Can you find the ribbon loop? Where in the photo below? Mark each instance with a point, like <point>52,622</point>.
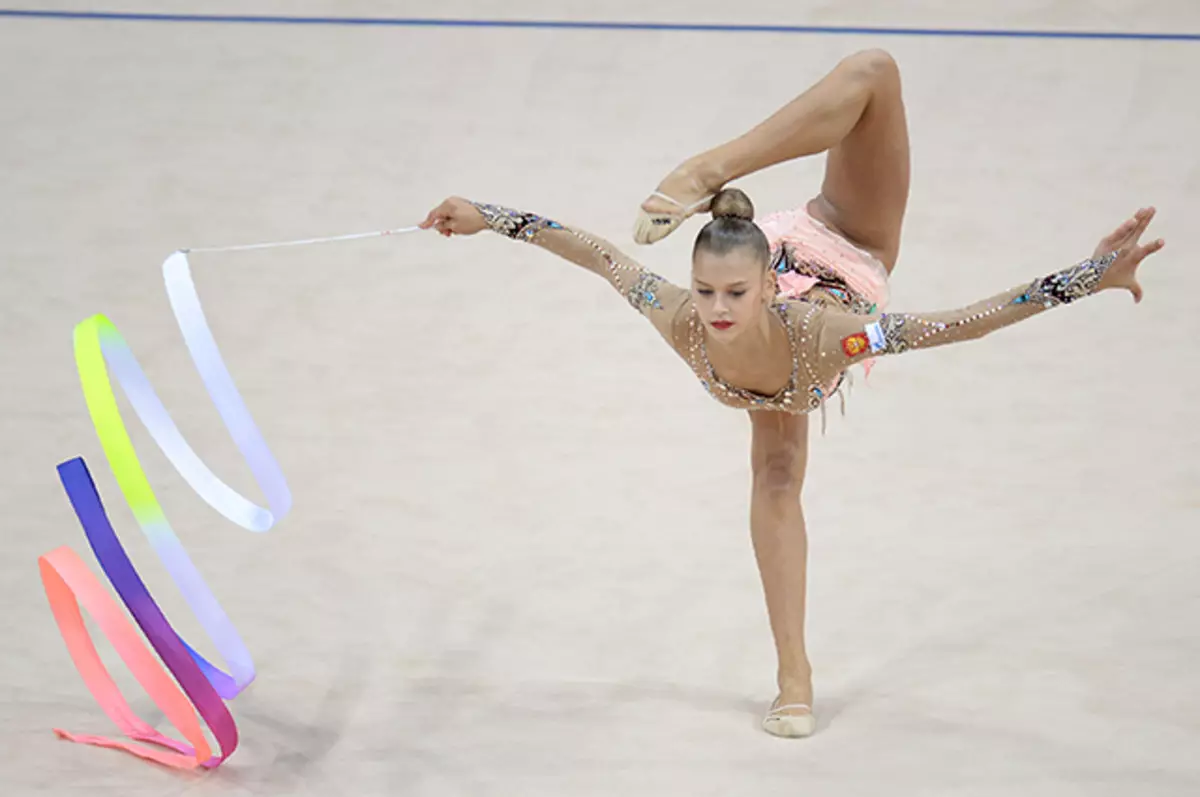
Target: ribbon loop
<point>195,685</point>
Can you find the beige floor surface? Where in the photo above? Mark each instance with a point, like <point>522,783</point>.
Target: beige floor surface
<point>519,563</point>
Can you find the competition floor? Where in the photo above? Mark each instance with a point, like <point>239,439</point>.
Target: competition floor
<point>519,560</point>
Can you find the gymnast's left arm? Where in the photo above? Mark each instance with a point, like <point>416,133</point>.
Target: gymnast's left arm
<point>839,339</point>
<point>656,298</point>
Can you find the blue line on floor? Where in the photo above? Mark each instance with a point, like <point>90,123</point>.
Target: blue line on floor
<point>564,24</point>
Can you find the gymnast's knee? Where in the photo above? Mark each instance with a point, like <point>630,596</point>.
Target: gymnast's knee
<point>780,475</point>
<point>876,65</point>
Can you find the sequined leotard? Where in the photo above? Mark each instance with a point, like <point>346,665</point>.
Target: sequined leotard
<point>825,339</point>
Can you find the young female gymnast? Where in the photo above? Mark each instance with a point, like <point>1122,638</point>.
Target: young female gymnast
<point>779,310</point>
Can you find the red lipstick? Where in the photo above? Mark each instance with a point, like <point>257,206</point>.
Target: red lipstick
<point>722,325</point>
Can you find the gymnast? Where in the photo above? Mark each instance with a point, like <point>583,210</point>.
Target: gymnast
<point>779,309</point>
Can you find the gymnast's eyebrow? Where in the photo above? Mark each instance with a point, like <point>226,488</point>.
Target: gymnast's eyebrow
<point>738,284</point>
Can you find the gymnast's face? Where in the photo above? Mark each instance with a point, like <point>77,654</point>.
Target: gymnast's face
<point>730,290</point>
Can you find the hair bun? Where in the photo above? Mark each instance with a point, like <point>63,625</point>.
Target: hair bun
<point>732,203</point>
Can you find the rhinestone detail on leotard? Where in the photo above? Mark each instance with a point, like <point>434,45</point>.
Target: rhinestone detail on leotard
<point>815,325</point>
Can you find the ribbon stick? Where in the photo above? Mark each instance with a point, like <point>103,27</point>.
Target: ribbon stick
<point>304,242</point>
<point>195,685</point>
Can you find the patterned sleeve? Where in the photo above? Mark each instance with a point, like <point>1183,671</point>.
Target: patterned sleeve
<point>651,295</point>
<point>841,339</point>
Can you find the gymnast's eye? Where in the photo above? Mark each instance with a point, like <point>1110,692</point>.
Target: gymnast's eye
<point>735,294</point>
<point>704,291</point>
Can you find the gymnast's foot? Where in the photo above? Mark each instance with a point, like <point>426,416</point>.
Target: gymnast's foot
<point>791,714</point>
<point>685,191</point>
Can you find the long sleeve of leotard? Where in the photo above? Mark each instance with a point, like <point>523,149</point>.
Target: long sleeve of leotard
<point>651,295</point>
<point>837,339</point>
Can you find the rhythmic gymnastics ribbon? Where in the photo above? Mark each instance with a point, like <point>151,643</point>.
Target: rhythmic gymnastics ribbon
<point>195,686</point>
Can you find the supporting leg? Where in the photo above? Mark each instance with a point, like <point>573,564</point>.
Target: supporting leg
<point>779,455</point>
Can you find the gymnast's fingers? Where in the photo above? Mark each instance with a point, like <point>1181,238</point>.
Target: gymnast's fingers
<point>438,214</point>
<point>1144,252</point>
<point>1144,217</point>
<point>429,221</point>
<point>1119,235</point>
<point>1136,290</point>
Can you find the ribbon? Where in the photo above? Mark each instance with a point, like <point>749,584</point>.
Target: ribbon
<point>195,685</point>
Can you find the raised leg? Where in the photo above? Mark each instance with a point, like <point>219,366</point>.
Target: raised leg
<point>779,457</point>
<point>856,114</point>
<point>867,173</point>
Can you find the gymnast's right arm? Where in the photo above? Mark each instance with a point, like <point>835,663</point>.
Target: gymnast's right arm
<point>654,297</point>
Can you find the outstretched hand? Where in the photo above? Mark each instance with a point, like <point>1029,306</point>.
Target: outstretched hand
<point>1125,241</point>
<point>455,216</point>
